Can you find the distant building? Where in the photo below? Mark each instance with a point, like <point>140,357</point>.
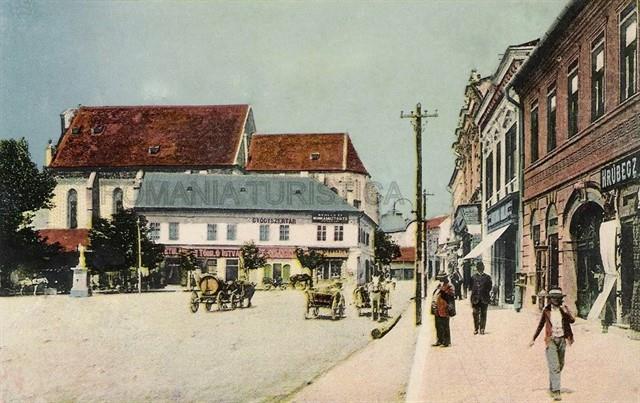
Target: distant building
<point>433,229</point>
<point>402,231</point>
<point>330,158</point>
<point>581,99</point>
<point>214,215</point>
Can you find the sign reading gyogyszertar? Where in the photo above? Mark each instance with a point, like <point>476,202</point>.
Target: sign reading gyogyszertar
<point>330,218</point>
<point>620,172</point>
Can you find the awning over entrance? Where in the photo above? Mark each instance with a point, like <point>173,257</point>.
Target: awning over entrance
<point>608,236</point>
<point>486,243</point>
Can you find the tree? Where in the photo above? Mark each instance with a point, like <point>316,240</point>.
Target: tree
<point>386,250</point>
<point>115,244</point>
<point>311,259</point>
<point>252,258</point>
<point>23,190</point>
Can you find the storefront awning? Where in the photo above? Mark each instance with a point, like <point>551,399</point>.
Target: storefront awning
<point>486,243</point>
<point>608,236</point>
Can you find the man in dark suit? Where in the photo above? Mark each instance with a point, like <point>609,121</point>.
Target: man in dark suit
<point>480,296</point>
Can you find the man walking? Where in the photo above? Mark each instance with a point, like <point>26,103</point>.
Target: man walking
<point>556,319</point>
<point>480,295</point>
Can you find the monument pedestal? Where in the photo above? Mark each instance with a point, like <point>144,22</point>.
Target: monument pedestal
<point>80,288</point>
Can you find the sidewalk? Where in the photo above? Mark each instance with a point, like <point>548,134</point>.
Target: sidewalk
<point>377,373</point>
<point>500,367</point>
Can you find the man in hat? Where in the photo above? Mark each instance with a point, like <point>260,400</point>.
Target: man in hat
<point>443,295</point>
<point>480,296</point>
<point>556,320</point>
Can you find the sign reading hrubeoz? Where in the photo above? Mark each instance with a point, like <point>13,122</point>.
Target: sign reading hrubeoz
<point>620,172</point>
<point>330,218</point>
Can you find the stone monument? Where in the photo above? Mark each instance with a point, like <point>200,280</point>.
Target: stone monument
<point>80,288</point>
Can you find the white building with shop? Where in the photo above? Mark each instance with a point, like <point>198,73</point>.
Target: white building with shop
<point>214,215</point>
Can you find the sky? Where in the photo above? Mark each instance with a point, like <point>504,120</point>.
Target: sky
<point>304,66</point>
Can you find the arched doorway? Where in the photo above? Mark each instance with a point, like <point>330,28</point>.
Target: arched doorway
<point>585,234</point>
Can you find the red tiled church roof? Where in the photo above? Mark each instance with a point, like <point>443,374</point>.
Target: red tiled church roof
<point>121,136</point>
<point>292,152</point>
<point>67,238</point>
<point>407,254</point>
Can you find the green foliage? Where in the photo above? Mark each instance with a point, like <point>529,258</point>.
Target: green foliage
<point>252,257</point>
<point>115,244</point>
<point>385,248</point>
<point>311,259</point>
<point>188,261</point>
<point>23,190</point>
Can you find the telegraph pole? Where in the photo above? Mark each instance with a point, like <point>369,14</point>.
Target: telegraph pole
<point>416,120</point>
<point>426,242</point>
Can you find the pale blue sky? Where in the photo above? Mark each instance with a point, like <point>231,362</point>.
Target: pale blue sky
<point>308,66</point>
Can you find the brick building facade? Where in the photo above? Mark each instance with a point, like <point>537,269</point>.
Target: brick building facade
<point>581,141</point>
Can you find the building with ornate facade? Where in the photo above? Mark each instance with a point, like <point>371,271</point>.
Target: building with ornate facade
<point>465,182</point>
<point>498,120</point>
<point>581,102</point>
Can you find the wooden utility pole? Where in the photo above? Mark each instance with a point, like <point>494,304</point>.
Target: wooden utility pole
<point>416,120</point>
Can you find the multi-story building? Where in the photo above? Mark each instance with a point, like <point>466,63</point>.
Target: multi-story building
<point>465,182</point>
<point>580,96</point>
<point>498,121</point>
<point>214,215</point>
<point>434,227</point>
<point>330,158</point>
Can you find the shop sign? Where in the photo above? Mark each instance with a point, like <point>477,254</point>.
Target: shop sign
<point>330,218</point>
<point>620,172</point>
<point>507,210</point>
<point>203,252</point>
<point>273,220</point>
<point>341,253</point>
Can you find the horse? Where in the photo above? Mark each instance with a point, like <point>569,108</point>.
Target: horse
<point>300,278</point>
<point>34,282</point>
<point>246,290</point>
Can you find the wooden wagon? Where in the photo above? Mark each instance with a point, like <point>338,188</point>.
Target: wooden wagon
<point>331,299</point>
<point>215,292</point>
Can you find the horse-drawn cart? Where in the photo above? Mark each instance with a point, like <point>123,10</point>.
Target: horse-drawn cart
<point>224,295</point>
<point>331,299</point>
<point>376,296</point>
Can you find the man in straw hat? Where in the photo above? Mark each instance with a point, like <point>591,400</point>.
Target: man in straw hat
<point>443,295</point>
<point>556,320</point>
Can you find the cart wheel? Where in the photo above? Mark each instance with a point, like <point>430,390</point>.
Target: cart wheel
<point>300,285</point>
<point>209,306</point>
<point>220,302</point>
<point>194,304</point>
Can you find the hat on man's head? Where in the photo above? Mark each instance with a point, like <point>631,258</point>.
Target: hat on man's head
<point>555,293</point>
<point>442,276</point>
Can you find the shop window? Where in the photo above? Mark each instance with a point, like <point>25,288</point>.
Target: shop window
<point>338,233</point>
<point>534,133</point>
<point>212,232</point>
<point>211,266</point>
<point>117,200</point>
<point>572,99</point>
<point>628,51</point>
<point>286,273</point>
<point>267,272</point>
<point>231,269</point>
<point>551,118</point>
<point>231,232</point>
<point>264,232</point>
<point>174,231</point>
<point>284,232</point>
<point>72,209</point>
<point>597,77</point>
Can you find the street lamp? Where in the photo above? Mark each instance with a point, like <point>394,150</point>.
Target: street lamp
<point>393,209</point>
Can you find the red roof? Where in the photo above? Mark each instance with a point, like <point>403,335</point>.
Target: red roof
<point>406,255</point>
<point>293,152</point>
<point>67,238</point>
<point>436,221</point>
<point>121,136</point>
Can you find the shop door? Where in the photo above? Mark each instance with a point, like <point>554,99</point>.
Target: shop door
<point>585,229</point>
<point>231,269</point>
<point>509,265</point>
<point>554,259</point>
